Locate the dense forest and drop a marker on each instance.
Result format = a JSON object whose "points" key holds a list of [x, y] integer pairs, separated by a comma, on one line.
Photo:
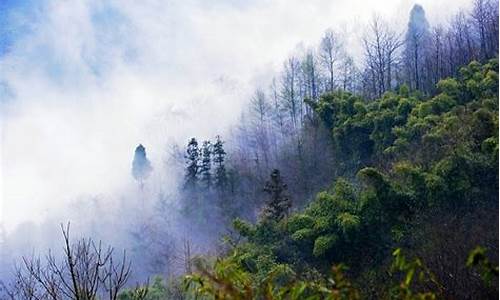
{"points": [[375, 179]]}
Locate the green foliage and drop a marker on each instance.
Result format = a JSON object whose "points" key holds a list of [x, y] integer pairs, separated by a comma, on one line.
{"points": [[478, 259], [413, 157], [159, 289], [348, 222], [449, 86], [411, 280], [343, 190], [299, 221], [304, 234], [244, 228], [414, 272], [226, 280], [323, 244], [134, 294]]}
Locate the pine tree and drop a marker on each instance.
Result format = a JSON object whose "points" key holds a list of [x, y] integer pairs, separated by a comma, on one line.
{"points": [[192, 164], [206, 164], [220, 170], [141, 167], [279, 203]]}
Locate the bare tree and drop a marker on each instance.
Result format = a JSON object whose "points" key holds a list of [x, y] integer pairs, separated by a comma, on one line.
{"points": [[309, 72], [463, 39], [330, 52], [87, 271], [438, 36], [480, 17], [259, 114], [188, 259], [381, 45], [185, 257], [289, 94], [492, 27], [348, 74], [276, 116]]}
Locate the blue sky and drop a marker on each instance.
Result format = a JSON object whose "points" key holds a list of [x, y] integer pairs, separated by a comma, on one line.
{"points": [[21, 20], [16, 17]]}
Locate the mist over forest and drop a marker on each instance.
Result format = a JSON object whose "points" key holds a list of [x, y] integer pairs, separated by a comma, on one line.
{"points": [[249, 150]]}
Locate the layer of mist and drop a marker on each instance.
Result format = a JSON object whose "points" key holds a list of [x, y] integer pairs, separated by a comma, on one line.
{"points": [[81, 85]]}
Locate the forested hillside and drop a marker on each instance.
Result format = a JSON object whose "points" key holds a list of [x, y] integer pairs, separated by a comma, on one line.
{"points": [[375, 179], [431, 190], [419, 220], [337, 166]]}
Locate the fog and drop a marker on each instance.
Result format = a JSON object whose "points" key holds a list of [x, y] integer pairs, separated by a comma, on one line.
{"points": [[82, 83]]}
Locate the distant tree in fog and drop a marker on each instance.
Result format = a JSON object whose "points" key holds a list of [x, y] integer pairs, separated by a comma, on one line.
{"points": [[192, 164], [310, 75], [289, 90], [278, 204], [259, 133], [206, 165], [141, 166], [330, 52], [417, 42], [348, 74], [220, 169]]}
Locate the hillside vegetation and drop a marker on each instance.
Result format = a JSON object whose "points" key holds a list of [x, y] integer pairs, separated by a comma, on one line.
{"points": [[427, 184]]}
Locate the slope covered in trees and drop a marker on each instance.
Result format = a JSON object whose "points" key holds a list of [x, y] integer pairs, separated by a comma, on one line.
{"points": [[427, 183], [280, 129]]}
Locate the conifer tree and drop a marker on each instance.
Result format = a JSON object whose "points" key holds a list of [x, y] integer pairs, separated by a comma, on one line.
{"points": [[192, 164], [279, 203], [206, 164], [220, 169], [141, 167]]}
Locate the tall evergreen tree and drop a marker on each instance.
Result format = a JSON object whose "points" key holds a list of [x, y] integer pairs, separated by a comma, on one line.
{"points": [[206, 164], [141, 166], [192, 164], [220, 170], [279, 203]]}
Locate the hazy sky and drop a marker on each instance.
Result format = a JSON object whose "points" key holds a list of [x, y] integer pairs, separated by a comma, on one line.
{"points": [[83, 82]]}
